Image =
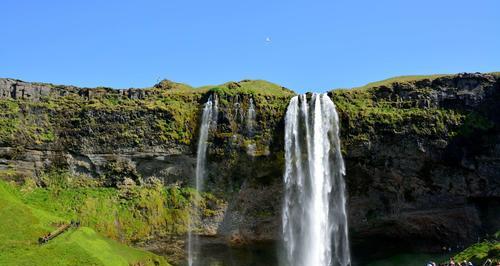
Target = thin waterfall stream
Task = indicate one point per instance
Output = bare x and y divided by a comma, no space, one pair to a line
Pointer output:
208,119
250,126
250,117
315,230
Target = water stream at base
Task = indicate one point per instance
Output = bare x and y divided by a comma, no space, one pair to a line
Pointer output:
315,230
209,118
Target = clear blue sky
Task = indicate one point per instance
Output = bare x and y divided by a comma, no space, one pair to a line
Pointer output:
314,45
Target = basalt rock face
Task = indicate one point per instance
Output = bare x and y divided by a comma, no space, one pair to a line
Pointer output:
422,155
423,165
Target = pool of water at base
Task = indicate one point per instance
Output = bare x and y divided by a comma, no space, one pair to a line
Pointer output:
217,253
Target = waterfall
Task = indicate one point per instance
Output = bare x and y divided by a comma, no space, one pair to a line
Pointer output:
250,125
314,211
250,117
208,118
238,111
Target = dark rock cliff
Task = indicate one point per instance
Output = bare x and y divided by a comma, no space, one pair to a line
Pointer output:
422,154
423,164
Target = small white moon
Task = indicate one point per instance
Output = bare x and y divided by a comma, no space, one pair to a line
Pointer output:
268,39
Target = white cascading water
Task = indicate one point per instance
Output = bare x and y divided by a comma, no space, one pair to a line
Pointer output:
208,118
250,117
250,125
315,230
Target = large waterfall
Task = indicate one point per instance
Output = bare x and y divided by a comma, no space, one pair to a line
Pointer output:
314,211
209,118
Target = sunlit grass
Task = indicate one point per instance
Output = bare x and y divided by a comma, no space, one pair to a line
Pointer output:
21,224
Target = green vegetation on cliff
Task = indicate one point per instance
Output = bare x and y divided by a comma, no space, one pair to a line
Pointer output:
16,123
22,224
129,213
140,118
412,105
364,116
9,121
482,251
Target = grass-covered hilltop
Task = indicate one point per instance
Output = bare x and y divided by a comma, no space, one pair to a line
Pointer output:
422,156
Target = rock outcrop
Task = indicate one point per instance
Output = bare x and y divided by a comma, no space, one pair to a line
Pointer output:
430,176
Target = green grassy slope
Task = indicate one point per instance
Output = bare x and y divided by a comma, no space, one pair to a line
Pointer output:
22,224
254,87
409,78
392,80
408,259
480,252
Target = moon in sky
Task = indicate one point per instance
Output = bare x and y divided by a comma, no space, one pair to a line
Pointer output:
268,39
